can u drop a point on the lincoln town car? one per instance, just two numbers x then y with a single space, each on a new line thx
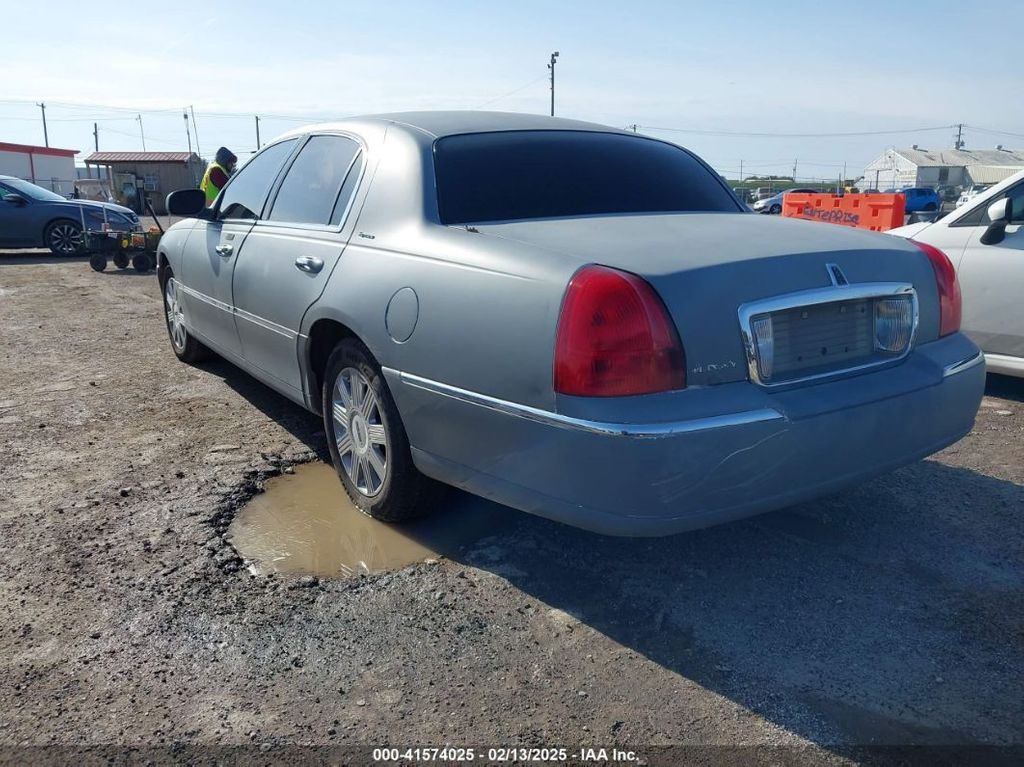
577 321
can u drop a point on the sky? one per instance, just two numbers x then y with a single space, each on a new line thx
733 81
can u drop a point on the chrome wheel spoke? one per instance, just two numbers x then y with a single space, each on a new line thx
342 397
377 435
377 466
344 443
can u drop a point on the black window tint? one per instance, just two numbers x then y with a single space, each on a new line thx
348 190
513 175
244 196
310 188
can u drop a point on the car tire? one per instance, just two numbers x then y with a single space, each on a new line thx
186 347
63 237
367 440
775 210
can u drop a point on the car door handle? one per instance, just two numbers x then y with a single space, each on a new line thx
224 250
309 264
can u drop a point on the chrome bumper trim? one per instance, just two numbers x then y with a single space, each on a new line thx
962 365
548 418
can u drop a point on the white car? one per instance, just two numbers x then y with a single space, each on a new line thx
970 193
984 241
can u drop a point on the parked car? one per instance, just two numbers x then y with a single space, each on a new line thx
970 193
920 198
567 318
33 217
773 205
986 244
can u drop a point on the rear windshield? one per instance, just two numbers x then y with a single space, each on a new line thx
515 175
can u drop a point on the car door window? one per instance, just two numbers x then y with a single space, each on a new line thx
310 191
245 194
1016 196
979 216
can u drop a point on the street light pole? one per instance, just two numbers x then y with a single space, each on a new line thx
257 133
142 133
551 66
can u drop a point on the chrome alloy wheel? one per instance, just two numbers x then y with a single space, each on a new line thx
359 432
65 239
175 316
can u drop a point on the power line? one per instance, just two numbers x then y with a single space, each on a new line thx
513 91
993 130
745 134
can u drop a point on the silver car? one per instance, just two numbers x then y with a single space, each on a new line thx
985 240
573 320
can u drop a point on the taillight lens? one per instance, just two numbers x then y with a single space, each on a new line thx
950 303
615 338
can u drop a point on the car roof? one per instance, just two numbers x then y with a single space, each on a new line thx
447 123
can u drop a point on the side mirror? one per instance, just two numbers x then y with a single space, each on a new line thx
15 199
186 202
999 213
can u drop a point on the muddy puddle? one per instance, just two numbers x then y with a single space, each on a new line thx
304 523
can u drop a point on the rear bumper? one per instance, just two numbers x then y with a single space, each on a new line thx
770 450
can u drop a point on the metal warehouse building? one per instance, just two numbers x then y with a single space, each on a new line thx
898 168
46 166
155 174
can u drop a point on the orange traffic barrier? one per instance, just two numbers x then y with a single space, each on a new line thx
877 212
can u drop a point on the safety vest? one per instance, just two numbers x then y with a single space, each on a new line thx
207 185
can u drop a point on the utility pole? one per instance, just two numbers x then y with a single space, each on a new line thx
96 143
794 170
195 129
633 127
188 133
257 133
741 171
959 136
46 136
551 66
142 133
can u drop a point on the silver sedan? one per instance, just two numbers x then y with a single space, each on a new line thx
570 319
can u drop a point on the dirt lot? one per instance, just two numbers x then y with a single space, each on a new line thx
892 613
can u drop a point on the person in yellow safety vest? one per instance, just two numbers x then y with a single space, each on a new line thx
217 174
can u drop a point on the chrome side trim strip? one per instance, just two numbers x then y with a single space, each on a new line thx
962 365
266 324
241 313
204 298
548 418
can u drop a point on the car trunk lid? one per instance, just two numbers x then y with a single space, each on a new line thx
705 266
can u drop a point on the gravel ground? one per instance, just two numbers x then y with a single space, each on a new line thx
889 614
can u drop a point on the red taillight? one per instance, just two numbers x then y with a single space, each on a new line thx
615 338
950 303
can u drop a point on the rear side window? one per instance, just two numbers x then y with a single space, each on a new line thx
245 194
513 175
311 187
